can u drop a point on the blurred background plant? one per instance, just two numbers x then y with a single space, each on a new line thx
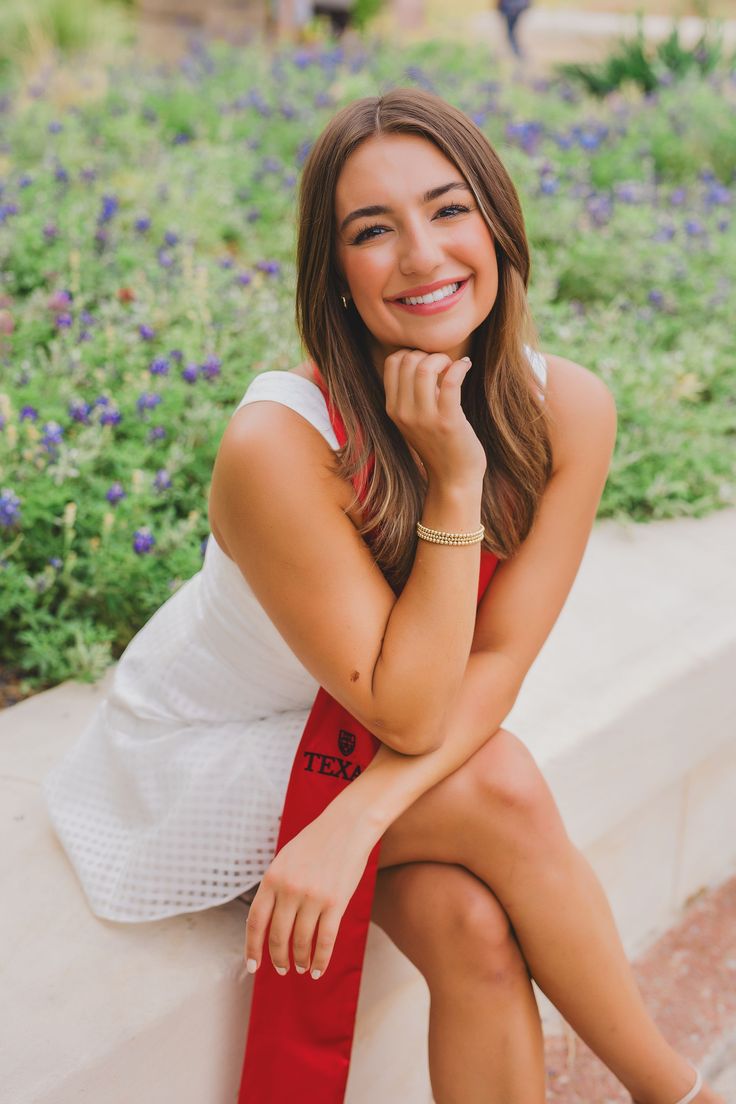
147 273
648 65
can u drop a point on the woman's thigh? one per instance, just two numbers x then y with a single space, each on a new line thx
498 801
447 922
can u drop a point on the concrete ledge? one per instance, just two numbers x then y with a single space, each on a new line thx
629 711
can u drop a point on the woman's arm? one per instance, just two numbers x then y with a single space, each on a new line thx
518 610
394 663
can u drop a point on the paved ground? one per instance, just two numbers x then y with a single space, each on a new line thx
688 980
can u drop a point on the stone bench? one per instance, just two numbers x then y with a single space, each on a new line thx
629 710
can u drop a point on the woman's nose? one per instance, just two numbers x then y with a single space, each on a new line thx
420 252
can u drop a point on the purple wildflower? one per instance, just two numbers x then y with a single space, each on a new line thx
211 367
165 259
190 373
157 433
58 300
110 417
115 493
243 278
146 332
61 174
88 175
656 297
110 205
171 238
271 267
9 508
25 181
56 562
162 480
143 540
29 412
79 411
55 127
176 354
148 400
64 321
142 224
159 366
50 231
53 434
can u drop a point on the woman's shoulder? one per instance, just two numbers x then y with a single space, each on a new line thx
578 401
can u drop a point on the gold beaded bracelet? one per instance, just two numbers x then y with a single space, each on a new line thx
437 536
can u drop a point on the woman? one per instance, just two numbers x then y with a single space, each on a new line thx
305 585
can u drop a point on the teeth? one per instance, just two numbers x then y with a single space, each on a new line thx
441 293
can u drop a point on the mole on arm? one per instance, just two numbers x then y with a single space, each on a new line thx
354 676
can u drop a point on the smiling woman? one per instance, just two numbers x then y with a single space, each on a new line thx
395 530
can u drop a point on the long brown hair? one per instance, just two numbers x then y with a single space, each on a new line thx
499 392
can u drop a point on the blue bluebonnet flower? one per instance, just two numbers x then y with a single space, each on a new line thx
165 259
148 400
64 321
142 224
110 417
270 267
162 480
157 433
656 297
53 434
190 373
61 174
9 508
171 238
25 181
159 366
28 412
110 205
56 563
253 215
226 262
50 231
211 367
143 540
176 354
244 278
88 175
115 493
79 411
146 332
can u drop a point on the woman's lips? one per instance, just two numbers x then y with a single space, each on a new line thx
432 308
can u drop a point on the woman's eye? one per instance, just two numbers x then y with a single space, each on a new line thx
365 234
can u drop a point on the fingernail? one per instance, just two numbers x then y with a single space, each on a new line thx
280 970
316 974
251 965
467 358
301 969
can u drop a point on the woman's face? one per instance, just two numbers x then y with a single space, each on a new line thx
412 243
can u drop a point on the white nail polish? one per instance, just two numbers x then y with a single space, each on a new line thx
316 974
280 970
301 969
251 965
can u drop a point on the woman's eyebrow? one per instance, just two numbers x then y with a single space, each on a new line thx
433 193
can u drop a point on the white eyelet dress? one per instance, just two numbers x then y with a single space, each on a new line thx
170 800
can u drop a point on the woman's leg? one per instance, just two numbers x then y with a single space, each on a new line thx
496 816
485 1036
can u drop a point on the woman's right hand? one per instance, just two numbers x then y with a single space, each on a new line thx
423 400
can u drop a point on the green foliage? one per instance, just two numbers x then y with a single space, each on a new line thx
637 62
628 205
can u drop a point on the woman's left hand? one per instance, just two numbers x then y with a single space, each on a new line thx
306 890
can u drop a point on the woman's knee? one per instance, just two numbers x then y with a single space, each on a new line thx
511 789
448 923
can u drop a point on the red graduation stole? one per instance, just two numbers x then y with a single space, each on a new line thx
300 1031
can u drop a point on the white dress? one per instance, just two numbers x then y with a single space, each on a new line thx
170 800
